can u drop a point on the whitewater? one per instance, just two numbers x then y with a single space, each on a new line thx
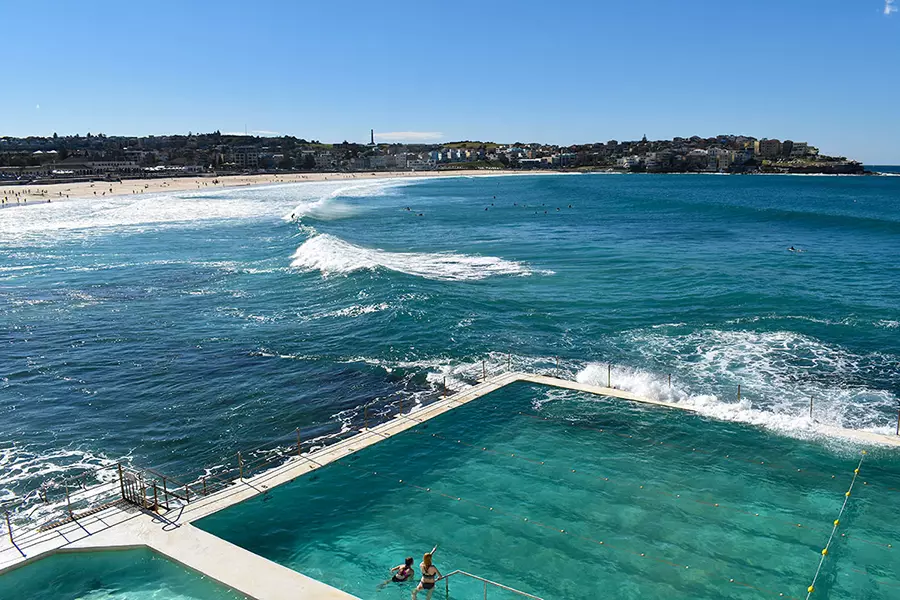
169 330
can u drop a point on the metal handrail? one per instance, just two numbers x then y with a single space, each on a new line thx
486 582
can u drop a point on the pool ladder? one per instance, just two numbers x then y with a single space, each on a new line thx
486 582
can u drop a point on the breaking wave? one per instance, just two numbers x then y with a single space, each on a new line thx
328 207
332 255
779 373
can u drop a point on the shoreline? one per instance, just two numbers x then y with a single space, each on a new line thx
84 190
21 195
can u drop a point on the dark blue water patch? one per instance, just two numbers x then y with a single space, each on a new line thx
178 345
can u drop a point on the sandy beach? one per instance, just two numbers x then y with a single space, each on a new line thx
21 195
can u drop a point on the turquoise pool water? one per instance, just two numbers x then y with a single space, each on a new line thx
127 574
566 495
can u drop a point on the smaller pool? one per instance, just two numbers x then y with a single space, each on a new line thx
132 574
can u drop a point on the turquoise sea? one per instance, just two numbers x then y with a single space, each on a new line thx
173 330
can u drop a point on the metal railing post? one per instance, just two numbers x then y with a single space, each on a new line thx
366 416
509 361
557 367
444 390
166 493
483 371
121 481
670 381
155 498
68 503
187 494
204 485
241 465
143 491
810 408
299 450
9 528
608 375
739 392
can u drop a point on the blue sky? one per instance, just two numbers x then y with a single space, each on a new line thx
824 71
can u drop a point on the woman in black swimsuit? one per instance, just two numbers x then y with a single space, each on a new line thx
430 575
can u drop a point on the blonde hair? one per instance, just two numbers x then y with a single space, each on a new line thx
427 559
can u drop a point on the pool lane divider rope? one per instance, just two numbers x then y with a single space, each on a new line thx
836 524
523 519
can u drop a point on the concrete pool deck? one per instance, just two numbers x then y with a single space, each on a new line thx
121 525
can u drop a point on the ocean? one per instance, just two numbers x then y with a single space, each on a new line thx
174 330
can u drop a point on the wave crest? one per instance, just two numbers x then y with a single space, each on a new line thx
332 255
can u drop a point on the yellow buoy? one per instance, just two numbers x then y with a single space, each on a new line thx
810 589
824 551
837 522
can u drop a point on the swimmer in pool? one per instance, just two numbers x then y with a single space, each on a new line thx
403 572
400 573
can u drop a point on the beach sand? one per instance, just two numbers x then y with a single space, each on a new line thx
18 195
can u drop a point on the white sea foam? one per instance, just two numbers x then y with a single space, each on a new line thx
327 207
779 372
33 480
331 256
356 310
151 212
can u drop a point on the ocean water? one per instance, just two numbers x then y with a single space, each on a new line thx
119 575
173 330
562 495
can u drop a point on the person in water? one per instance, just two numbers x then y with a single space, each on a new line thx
430 575
400 573
403 572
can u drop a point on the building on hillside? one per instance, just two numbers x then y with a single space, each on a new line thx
799 149
767 148
563 159
245 157
628 162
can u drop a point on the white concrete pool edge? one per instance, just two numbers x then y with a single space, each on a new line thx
124 526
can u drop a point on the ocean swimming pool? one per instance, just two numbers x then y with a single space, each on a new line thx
564 495
113 575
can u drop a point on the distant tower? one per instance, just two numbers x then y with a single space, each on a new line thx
372 137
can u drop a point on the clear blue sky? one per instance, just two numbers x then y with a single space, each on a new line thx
824 71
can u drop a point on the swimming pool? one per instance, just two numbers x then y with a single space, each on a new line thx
132 574
567 495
